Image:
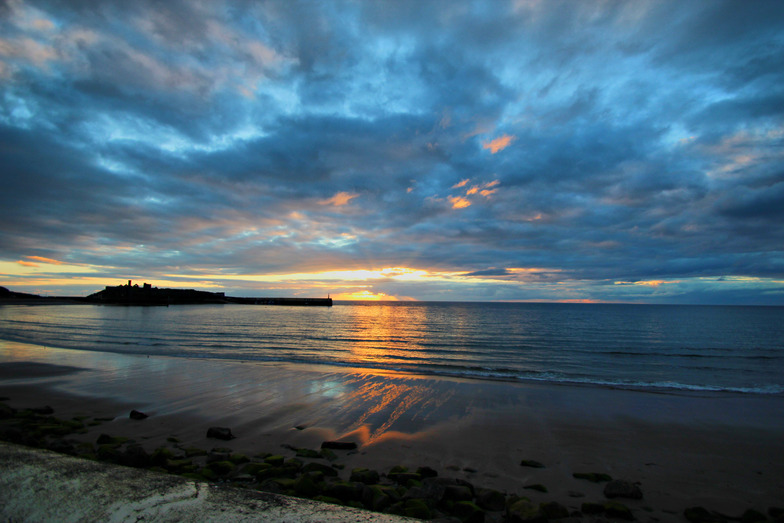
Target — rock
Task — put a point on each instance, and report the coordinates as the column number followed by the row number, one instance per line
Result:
column 44, row 411
column 6, row 411
column 417, row 508
column 468, row 512
column 62, row 446
column 221, row 468
column 531, row 463
column 702, row 515
column 339, row 445
column 305, row 486
column 613, row 509
column 135, row 414
column 490, row 499
column 595, row 477
column 776, row 512
column 135, row 456
column 524, row 511
column 536, row 486
column 214, row 455
column 308, row 453
column 402, row 478
column 344, row 490
column 458, row 493
column 575, row 494
column 619, row 488
column 320, row 467
column 592, row 508
column 366, row 476
column 427, row 472
column 554, row 510
column 753, row 516
column 220, row 433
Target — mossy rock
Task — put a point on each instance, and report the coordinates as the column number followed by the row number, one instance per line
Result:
column 309, row 453
column 417, row 508
column 239, row 459
column 221, row 468
column 489, row 499
column 305, row 486
column 523, row 509
column 397, row 469
column 255, row 469
column 285, row 483
column 108, row 453
column 536, row 486
column 161, row 455
column 364, row 475
column 172, row 439
column 595, row 477
column 532, row 463
column 180, row 465
column 275, row 460
column 320, row 467
column 208, row 474
column 344, row 490
column 468, row 512
column 328, row 455
column 613, row 509
column 192, row 452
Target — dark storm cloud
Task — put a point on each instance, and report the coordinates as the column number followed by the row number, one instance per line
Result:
column 593, row 142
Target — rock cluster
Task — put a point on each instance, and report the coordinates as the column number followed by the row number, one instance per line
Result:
column 317, row 474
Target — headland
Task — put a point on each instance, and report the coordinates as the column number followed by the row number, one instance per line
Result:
column 146, row 294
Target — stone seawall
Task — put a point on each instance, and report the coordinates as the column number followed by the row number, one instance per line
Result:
column 39, row 485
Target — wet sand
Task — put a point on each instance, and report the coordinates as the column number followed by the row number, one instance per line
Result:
column 716, row 450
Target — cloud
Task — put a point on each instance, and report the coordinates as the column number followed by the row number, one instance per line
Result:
column 339, row 199
column 498, row 144
column 183, row 138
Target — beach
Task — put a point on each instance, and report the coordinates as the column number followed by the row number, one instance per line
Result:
column 684, row 449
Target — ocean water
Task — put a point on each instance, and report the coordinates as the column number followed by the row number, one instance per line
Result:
column 700, row 348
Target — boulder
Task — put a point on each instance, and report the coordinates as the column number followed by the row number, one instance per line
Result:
column 427, row 472
column 137, row 415
column 524, row 511
column 366, row 476
column 490, row 499
column 619, row 488
column 223, row 433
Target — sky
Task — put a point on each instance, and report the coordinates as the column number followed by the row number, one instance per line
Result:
column 587, row 151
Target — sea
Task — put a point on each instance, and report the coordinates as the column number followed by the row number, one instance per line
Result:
column 734, row 349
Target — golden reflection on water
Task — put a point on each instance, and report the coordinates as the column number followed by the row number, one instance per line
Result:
column 392, row 405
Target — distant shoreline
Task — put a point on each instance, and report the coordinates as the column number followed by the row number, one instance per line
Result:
column 147, row 295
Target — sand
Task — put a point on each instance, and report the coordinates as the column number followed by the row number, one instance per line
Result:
column 717, row 450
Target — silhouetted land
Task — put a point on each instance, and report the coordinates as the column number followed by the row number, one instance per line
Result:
column 131, row 294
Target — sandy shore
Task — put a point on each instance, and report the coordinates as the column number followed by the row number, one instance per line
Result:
column 720, row 451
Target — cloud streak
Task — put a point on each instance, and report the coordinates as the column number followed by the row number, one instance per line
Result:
column 596, row 143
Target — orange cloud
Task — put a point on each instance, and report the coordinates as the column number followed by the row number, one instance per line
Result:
column 459, row 202
column 341, row 198
column 27, row 263
column 499, row 144
column 461, row 183
column 44, row 260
